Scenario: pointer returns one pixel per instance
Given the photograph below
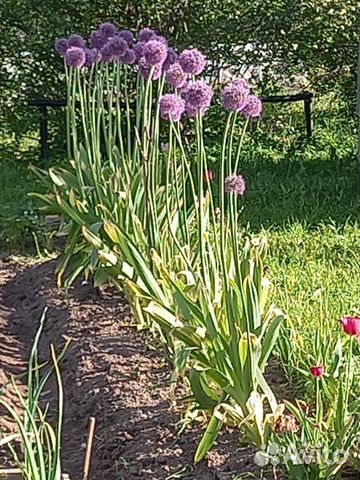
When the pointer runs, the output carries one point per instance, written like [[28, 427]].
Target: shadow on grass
[[306, 191]]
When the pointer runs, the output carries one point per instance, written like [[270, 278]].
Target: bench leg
[[43, 132]]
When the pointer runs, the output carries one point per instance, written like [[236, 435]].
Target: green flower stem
[[118, 119], [348, 375], [128, 114], [68, 109]]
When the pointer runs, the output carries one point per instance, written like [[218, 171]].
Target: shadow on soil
[[108, 373]]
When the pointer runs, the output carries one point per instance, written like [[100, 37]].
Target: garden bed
[[110, 372]]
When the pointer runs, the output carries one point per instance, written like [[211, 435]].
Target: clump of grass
[[22, 225]]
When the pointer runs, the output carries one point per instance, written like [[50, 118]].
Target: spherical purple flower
[[139, 49], [106, 54], [253, 107], [129, 57], [91, 56], [97, 39], [75, 57], [175, 76], [127, 36], [61, 45], [76, 41], [108, 29], [118, 46], [146, 34], [235, 96], [165, 147], [171, 58], [191, 111], [145, 69], [184, 88], [198, 95], [155, 52], [241, 82], [192, 61], [171, 107], [235, 184], [161, 39]]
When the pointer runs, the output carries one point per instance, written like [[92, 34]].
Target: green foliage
[[327, 436], [146, 221], [22, 225], [313, 37]]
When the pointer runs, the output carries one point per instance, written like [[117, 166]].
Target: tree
[[317, 38]]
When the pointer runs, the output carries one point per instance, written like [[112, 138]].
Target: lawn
[[303, 196]]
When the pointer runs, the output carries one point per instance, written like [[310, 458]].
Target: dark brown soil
[[112, 373]]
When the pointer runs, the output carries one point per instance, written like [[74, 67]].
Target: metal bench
[[43, 105]]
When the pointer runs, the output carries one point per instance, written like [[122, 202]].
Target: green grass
[[21, 224], [304, 197]]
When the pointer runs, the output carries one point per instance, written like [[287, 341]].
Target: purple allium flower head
[[106, 54], [127, 36], [171, 107], [192, 61], [171, 58], [97, 39], [155, 52], [76, 41], [108, 29], [183, 89], [129, 57], [235, 184], [145, 69], [253, 108], [118, 46], [165, 147], [161, 39], [235, 96], [175, 76], [146, 34], [61, 45], [192, 111], [91, 56], [139, 49], [241, 83], [75, 57], [198, 95]]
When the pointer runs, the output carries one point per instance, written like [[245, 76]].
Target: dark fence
[[43, 105]]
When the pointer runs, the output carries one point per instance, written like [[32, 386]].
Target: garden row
[[141, 207]]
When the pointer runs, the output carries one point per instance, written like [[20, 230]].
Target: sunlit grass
[[304, 197]]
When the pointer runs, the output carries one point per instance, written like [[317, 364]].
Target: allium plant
[[146, 219]]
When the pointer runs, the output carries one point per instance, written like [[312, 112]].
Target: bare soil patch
[[111, 372]]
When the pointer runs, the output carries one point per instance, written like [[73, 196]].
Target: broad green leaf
[[203, 394], [211, 433], [269, 340]]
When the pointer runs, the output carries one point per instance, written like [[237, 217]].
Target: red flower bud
[[317, 371], [351, 326]]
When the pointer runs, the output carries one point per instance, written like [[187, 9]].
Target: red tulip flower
[[209, 176], [351, 326], [317, 371]]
